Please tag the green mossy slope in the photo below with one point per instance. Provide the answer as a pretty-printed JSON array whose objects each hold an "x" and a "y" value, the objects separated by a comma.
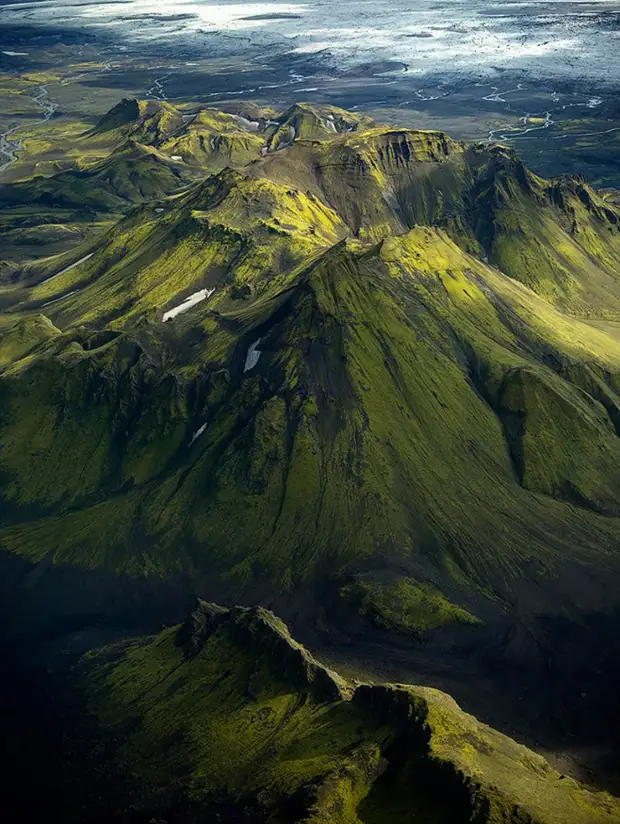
[
  {"x": 389, "y": 374},
  {"x": 213, "y": 140},
  {"x": 130, "y": 174},
  {"x": 379, "y": 180},
  {"x": 18, "y": 339},
  {"x": 560, "y": 238},
  {"x": 147, "y": 121},
  {"x": 226, "y": 234},
  {"x": 405, "y": 605},
  {"x": 305, "y": 121},
  {"x": 357, "y": 374}
]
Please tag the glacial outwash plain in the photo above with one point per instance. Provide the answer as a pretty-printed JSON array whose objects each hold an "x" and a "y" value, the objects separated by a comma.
[{"x": 309, "y": 414}]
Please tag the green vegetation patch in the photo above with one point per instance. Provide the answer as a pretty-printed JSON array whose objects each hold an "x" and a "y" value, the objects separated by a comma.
[
  {"x": 22, "y": 336},
  {"x": 339, "y": 387},
  {"x": 406, "y": 605}
]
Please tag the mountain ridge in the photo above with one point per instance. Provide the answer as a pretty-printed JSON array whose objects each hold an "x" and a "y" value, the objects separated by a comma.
[{"x": 313, "y": 747}]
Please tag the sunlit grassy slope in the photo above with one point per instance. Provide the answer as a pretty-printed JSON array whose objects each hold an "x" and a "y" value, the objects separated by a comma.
[
  {"x": 382, "y": 371},
  {"x": 228, "y": 713}
]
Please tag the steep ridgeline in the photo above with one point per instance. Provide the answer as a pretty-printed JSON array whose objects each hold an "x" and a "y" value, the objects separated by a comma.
[
  {"x": 374, "y": 369},
  {"x": 138, "y": 152},
  {"x": 560, "y": 238},
  {"x": 228, "y": 717},
  {"x": 333, "y": 392}
]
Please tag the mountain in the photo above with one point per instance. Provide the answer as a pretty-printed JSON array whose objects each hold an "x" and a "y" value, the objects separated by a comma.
[
  {"x": 212, "y": 141},
  {"x": 240, "y": 722},
  {"x": 305, "y": 122},
  {"x": 370, "y": 379},
  {"x": 347, "y": 330},
  {"x": 230, "y": 233},
  {"x": 140, "y": 151},
  {"x": 204, "y": 138}
]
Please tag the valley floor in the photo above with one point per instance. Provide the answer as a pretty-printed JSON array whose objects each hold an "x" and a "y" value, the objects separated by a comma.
[{"x": 565, "y": 121}]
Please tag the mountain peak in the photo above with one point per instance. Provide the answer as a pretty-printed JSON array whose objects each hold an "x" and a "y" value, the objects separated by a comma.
[
  {"x": 305, "y": 121},
  {"x": 127, "y": 111},
  {"x": 148, "y": 121}
]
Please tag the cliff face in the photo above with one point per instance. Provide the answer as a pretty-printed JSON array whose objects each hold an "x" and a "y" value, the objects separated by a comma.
[{"x": 266, "y": 635}]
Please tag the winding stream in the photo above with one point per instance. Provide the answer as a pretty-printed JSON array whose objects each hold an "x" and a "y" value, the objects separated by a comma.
[
  {"x": 512, "y": 132},
  {"x": 157, "y": 89},
  {"x": 10, "y": 148}
]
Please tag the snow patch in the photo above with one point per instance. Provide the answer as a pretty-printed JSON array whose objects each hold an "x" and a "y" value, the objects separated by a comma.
[
  {"x": 192, "y": 300},
  {"x": 250, "y": 125},
  {"x": 67, "y": 269},
  {"x": 15, "y": 54},
  {"x": 176, "y": 157},
  {"x": 62, "y": 297},
  {"x": 198, "y": 433},
  {"x": 253, "y": 354}
]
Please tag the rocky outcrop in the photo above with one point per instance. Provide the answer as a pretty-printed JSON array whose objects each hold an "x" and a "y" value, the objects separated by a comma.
[{"x": 263, "y": 635}]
